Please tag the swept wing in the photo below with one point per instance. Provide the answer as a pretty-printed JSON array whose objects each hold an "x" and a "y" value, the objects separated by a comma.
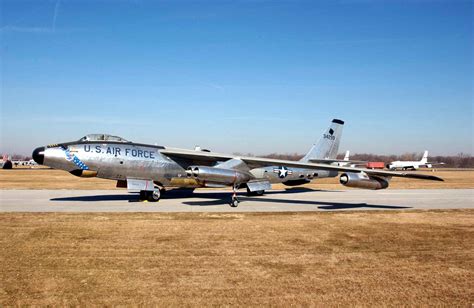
[{"x": 256, "y": 162}]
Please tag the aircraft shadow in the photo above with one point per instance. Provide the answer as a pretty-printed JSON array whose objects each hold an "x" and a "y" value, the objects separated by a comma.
[
  {"x": 134, "y": 197},
  {"x": 322, "y": 205},
  {"x": 222, "y": 198},
  {"x": 95, "y": 198},
  {"x": 184, "y": 193}
]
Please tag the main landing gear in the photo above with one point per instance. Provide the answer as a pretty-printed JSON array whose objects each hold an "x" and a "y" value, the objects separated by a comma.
[
  {"x": 151, "y": 196},
  {"x": 235, "y": 201}
]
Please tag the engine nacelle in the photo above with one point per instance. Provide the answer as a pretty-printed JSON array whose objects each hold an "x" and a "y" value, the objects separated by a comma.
[
  {"x": 206, "y": 174},
  {"x": 362, "y": 180}
]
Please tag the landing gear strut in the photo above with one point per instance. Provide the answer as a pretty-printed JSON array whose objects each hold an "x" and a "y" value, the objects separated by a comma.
[{"x": 235, "y": 201}]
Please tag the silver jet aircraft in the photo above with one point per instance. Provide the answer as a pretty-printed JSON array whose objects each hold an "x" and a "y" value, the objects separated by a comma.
[{"x": 150, "y": 169}]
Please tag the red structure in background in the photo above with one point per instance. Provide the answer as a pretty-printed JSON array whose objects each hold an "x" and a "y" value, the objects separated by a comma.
[{"x": 375, "y": 165}]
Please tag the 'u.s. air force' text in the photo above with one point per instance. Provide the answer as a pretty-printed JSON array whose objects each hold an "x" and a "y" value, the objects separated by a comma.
[{"x": 119, "y": 152}]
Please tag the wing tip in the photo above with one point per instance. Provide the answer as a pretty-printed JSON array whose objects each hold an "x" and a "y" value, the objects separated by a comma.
[{"x": 429, "y": 177}]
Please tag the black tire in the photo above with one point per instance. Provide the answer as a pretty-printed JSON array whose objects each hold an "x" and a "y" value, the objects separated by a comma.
[
  {"x": 234, "y": 203},
  {"x": 154, "y": 196},
  {"x": 143, "y": 195}
]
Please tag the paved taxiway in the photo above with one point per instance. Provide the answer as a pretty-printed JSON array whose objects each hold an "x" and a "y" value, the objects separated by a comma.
[{"x": 216, "y": 201}]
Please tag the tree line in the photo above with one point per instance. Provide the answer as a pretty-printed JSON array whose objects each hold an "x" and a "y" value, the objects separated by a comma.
[{"x": 461, "y": 160}]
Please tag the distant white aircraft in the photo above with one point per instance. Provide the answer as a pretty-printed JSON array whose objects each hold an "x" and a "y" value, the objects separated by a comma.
[
  {"x": 346, "y": 160},
  {"x": 30, "y": 162},
  {"x": 8, "y": 163},
  {"x": 412, "y": 165},
  {"x": 338, "y": 162}
]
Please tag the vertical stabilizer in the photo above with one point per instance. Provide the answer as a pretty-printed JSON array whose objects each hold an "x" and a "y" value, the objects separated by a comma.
[
  {"x": 328, "y": 145},
  {"x": 347, "y": 157},
  {"x": 424, "y": 160}
]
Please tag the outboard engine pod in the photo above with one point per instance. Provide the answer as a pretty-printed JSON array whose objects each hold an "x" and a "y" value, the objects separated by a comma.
[{"x": 364, "y": 181}]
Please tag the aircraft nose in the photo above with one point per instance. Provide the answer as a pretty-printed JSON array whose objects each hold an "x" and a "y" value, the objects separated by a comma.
[{"x": 38, "y": 155}]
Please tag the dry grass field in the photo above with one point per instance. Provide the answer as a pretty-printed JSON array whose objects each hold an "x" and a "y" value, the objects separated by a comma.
[
  {"x": 56, "y": 179},
  {"x": 423, "y": 258}
]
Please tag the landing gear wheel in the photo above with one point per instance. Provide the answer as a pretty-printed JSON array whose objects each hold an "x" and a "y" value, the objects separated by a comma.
[
  {"x": 154, "y": 196},
  {"x": 151, "y": 196},
  {"x": 235, "y": 202}
]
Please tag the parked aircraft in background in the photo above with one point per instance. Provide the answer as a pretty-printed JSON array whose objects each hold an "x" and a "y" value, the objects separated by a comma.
[
  {"x": 412, "y": 165},
  {"x": 338, "y": 162},
  {"x": 6, "y": 162},
  {"x": 347, "y": 156},
  {"x": 348, "y": 162},
  {"x": 30, "y": 162},
  {"x": 150, "y": 168}
]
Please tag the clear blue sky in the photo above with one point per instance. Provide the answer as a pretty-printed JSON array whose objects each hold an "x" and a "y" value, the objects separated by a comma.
[{"x": 239, "y": 76}]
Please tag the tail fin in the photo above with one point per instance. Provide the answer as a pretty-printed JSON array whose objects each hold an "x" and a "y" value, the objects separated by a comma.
[
  {"x": 424, "y": 160},
  {"x": 328, "y": 145},
  {"x": 347, "y": 157}
]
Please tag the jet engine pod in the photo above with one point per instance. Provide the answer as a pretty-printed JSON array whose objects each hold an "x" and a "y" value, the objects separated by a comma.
[
  {"x": 364, "y": 181},
  {"x": 217, "y": 175}
]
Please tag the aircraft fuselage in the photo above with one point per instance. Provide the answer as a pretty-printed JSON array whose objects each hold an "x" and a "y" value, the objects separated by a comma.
[{"x": 121, "y": 161}]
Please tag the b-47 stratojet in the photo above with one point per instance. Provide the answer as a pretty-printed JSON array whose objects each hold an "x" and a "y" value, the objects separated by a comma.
[{"x": 150, "y": 169}]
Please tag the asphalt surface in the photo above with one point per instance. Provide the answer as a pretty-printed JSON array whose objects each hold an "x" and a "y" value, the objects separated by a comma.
[{"x": 217, "y": 201}]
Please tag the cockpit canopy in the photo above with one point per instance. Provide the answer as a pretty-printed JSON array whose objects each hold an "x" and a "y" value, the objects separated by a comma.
[{"x": 103, "y": 137}]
